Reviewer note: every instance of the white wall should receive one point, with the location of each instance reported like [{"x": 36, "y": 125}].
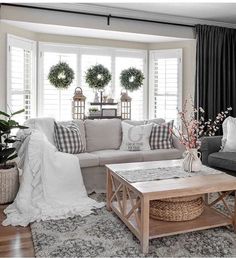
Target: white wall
[{"x": 90, "y": 41}]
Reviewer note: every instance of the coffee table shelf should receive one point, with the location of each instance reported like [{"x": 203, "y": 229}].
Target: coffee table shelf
[{"x": 210, "y": 218}]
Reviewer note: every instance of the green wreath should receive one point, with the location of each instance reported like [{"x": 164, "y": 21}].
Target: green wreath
[
  {"x": 97, "y": 77},
  {"x": 131, "y": 79},
  {"x": 61, "y": 75}
]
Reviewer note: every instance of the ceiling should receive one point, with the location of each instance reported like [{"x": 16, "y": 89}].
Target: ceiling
[{"x": 219, "y": 12}]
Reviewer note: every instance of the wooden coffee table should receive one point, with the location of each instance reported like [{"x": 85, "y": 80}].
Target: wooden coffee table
[{"x": 130, "y": 201}]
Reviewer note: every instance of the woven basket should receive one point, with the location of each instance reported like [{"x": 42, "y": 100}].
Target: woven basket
[
  {"x": 9, "y": 184},
  {"x": 177, "y": 209}
]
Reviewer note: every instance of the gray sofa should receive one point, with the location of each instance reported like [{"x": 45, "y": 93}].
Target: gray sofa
[
  {"x": 102, "y": 139},
  {"x": 211, "y": 155}
]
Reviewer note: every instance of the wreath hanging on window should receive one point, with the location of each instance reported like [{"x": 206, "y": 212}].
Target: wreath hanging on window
[
  {"x": 61, "y": 75},
  {"x": 97, "y": 77},
  {"x": 131, "y": 79}
]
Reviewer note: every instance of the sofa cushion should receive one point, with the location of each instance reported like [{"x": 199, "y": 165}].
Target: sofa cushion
[
  {"x": 161, "y": 154},
  {"x": 224, "y": 160},
  {"x": 228, "y": 140},
  {"x": 117, "y": 156},
  {"x": 155, "y": 121},
  {"x": 103, "y": 134},
  {"x": 80, "y": 124},
  {"x": 87, "y": 160},
  {"x": 142, "y": 122},
  {"x": 135, "y": 137},
  {"x": 161, "y": 136},
  {"x": 68, "y": 138},
  {"x": 134, "y": 122}
]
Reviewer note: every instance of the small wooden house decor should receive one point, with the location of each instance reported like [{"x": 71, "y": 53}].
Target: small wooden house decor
[
  {"x": 78, "y": 104},
  {"x": 125, "y": 106}
]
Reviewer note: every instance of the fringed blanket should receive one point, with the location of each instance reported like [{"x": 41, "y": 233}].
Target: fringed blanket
[{"x": 52, "y": 186}]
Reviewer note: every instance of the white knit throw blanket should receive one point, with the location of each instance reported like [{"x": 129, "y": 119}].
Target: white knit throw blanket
[{"x": 52, "y": 186}]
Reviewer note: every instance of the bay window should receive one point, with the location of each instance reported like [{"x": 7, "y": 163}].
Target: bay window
[{"x": 165, "y": 75}]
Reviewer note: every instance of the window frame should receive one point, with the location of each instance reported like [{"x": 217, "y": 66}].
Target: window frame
[
  {"x": 80, "y": 50},
  {"x": 165, "y": 53},
  {"x": 49, "y": 47},
  {"x": 28, "y": 44}
]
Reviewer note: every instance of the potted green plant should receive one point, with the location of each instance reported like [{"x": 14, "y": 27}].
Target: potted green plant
[
  {"x": 94, "y": 112},
  {"x": 9, "y": 176}
]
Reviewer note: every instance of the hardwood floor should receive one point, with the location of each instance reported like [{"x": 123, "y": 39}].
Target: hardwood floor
[{"x": 15, "y": 241}]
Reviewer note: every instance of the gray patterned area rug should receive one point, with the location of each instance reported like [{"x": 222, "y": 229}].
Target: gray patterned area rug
[{"x": 102, "y": 234}]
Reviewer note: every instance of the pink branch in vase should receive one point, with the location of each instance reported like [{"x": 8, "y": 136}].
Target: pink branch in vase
[{"x": 194, "y": 125}]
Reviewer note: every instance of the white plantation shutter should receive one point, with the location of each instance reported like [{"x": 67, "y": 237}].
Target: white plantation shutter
[
  {"x": 137, "y": 104},
  {"x": 56, "y": 102},
  {"x": 88, "y": 60},
  {"x": 115, "y": 61},
  {"x": 165, "y": 83},
  {"x": 21, "y": 76}
]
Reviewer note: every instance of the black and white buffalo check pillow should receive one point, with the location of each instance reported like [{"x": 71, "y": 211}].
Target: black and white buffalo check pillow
[
  {"x": 161, "y": 137},
  {"x": 68, "y": 138}
]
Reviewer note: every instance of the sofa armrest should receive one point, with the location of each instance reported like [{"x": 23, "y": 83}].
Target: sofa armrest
[
  {"x": 177, "y": 144},
  {"x": 209, "y": 145}
]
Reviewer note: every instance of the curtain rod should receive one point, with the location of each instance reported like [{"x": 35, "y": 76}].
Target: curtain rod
[{"x": 108, "y": 17}]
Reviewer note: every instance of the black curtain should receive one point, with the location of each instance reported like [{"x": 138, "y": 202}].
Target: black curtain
[{"x": 215, "y": 69}]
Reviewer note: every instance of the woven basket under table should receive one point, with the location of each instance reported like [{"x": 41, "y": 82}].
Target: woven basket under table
[{"x": 177, "y": 209}]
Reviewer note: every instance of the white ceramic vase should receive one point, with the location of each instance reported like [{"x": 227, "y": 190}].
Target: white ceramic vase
[
  {"x": 192, "y": 160},
  {"x": 96, "y": 98}
]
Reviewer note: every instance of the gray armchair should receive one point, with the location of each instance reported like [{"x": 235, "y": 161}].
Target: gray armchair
[{"x": 211, "y": 155}]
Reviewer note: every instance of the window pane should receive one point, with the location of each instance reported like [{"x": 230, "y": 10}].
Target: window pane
[
  {"x": 17, "y": 68},
  {"x": 86, "y": 62},
  {"x": 56, "y": 102},
  {"x": 137, "y": 96},
  {"x": 21, "y": 82},
  {"x": 166, "y": 87}
]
